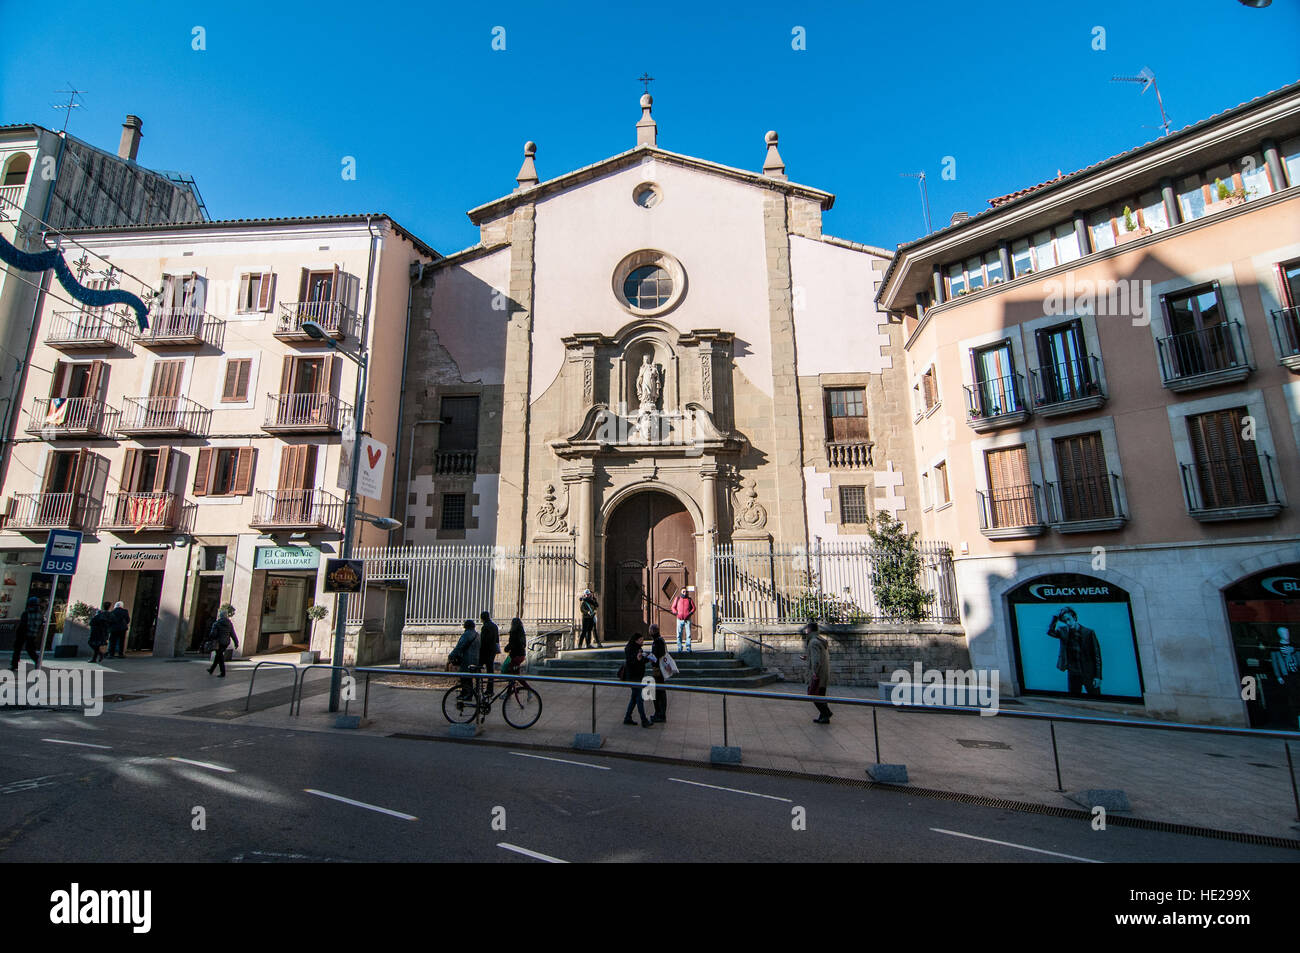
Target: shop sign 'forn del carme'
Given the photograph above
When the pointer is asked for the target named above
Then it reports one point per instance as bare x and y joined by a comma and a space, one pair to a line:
136, 557
286, 557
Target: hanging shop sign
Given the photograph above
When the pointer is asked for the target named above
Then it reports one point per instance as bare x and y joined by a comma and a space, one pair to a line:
286, 557
134, 557
343, 575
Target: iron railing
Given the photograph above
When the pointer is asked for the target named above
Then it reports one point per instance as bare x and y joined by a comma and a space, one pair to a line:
163, 415
836, 582
1286, 329
849, 456
1203, 351
1219, 483
333, 316
1085, 498
1011, 507
312, 509
995, 397
47, 511
139, 511
177, 326
90, 328
455, 461
71, 417
1067, 381
305, 412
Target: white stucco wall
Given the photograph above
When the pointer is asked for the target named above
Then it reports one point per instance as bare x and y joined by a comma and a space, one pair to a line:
837, 327
470, 306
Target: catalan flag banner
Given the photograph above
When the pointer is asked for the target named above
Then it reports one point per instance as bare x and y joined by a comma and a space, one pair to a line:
57, 413
146, 511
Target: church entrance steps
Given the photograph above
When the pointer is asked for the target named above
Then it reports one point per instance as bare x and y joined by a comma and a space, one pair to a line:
707, 669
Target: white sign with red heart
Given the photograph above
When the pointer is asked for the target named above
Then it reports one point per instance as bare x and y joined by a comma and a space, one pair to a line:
370, 472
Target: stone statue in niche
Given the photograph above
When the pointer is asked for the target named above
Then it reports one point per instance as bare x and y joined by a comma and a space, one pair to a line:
649, 385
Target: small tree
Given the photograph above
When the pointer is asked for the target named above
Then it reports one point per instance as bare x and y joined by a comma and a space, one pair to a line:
316, 612
81, 612
1130, 223
1221, 189
896, 570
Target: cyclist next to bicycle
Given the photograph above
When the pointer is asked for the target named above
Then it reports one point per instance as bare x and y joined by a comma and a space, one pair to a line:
489, 646
465, 657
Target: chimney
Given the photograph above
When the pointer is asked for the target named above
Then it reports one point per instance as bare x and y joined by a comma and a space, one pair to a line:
130, 144
527, 176
958, 217
647, 130
773, 165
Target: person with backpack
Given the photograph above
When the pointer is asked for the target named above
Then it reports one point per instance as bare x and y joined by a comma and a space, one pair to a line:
220, 636
683, 608
99, 625
633, 670
29, 634
465, 658
119, 621
588, 605
489, 645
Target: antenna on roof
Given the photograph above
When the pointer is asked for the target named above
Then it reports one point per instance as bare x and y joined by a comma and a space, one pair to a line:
71, 104
1148, 80
925, 196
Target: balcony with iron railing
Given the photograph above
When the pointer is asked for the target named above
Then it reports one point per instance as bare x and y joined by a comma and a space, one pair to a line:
90, 330
1011, 512
297, 509
162, 416
1207, 357
1218, 489
140, 511
1286, 331
333, 316
996, 403
180, 327
41, 511
1068, 387
305, 413
455, 461
1089, 504
849, 456
57, 418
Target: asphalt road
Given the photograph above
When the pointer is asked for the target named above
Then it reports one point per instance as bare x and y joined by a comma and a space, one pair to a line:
127, 787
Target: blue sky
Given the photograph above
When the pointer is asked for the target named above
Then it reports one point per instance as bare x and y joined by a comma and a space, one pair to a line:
436, 119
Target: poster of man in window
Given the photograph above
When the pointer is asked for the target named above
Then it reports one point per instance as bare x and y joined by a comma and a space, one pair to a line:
1073, 636
1264, 615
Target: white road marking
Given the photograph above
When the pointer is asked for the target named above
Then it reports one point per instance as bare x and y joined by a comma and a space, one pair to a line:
1006, 843
204, 764
598, 767
30, 784
368, 807
532, 853
701, 784
79, 744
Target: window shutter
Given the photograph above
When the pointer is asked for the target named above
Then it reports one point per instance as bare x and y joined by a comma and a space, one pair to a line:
168, 292
266, 292
245, 282
160, 477
229, 387
201, 467
336, 285
130, 470
81, 472
286, 375
241, 385
97, 379
302, 284
244, 471
330, 372
166, 379
59, 380
292, 464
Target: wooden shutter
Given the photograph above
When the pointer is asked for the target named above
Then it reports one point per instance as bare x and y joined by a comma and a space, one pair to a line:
235, 386
167, 379
168, 299
928, 389
293, 467
244, 471
202, 466
266, 292
130, 471
1084, 479
286, 374
81, 471
160, 476
1227, 467
96, 379
302, 284
59, 380
245, 281
336, 285
1011, 497
329, 373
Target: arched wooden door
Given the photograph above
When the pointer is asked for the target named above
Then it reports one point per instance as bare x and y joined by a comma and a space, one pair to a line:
649, 558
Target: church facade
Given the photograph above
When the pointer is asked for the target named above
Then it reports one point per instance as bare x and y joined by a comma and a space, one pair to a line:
648, 359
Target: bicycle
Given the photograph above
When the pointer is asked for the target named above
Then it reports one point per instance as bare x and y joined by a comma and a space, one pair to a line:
521, 706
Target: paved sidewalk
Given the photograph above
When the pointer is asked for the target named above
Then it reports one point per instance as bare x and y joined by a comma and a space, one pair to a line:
1230, 783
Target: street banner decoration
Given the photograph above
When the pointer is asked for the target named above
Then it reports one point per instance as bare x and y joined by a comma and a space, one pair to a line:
146, 511
52, 259
1073, 636
370, 469
343, 575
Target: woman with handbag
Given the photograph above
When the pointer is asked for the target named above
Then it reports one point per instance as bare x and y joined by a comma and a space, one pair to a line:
658, 668
516, 648
219, 639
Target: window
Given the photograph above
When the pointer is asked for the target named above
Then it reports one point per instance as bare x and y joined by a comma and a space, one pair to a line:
929, 390
1101, 226
1200, 336
182, 294
235, 388
1084, 481
453, 511
16, 171
646, 195
1063, 359
1067, 243
956, 280
1022, 260
648, 287
1289, 277
941, 484
459, 423
975, 273
214, 558
846, 415
853, 504
1012, 500
1290, 155
224, 471
997, 390
993, 267
1044, 251
256, 293
1227, 465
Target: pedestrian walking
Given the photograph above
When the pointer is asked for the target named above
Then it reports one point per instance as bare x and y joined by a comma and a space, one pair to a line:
119, 621
683, 607
29, 634
634, 663
99, 628
489, 645
465, 657
588, 605
220, 636
516, 648
818, 654
658, 652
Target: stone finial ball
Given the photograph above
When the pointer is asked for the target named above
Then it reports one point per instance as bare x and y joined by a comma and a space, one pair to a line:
530, 148
771, 137
647, 101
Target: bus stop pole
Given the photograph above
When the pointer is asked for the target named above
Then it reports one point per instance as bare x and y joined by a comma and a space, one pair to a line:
49, 614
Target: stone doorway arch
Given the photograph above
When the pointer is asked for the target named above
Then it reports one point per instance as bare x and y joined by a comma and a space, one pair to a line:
650, 555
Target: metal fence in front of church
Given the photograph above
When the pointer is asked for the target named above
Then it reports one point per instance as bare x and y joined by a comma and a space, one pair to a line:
836, 582
446, 584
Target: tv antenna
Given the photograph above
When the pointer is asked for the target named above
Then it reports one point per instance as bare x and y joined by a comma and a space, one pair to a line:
1148, 81
71, 104
925, 196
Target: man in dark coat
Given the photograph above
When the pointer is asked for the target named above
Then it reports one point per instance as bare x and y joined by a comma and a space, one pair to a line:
658, 649
489, 644
1080, 654
465, 657
29, 634
588, 605
99, 630
222, 633
634, 663
119, 621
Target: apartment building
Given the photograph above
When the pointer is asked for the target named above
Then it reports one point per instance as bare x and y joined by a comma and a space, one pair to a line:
1106, 408
201, 456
